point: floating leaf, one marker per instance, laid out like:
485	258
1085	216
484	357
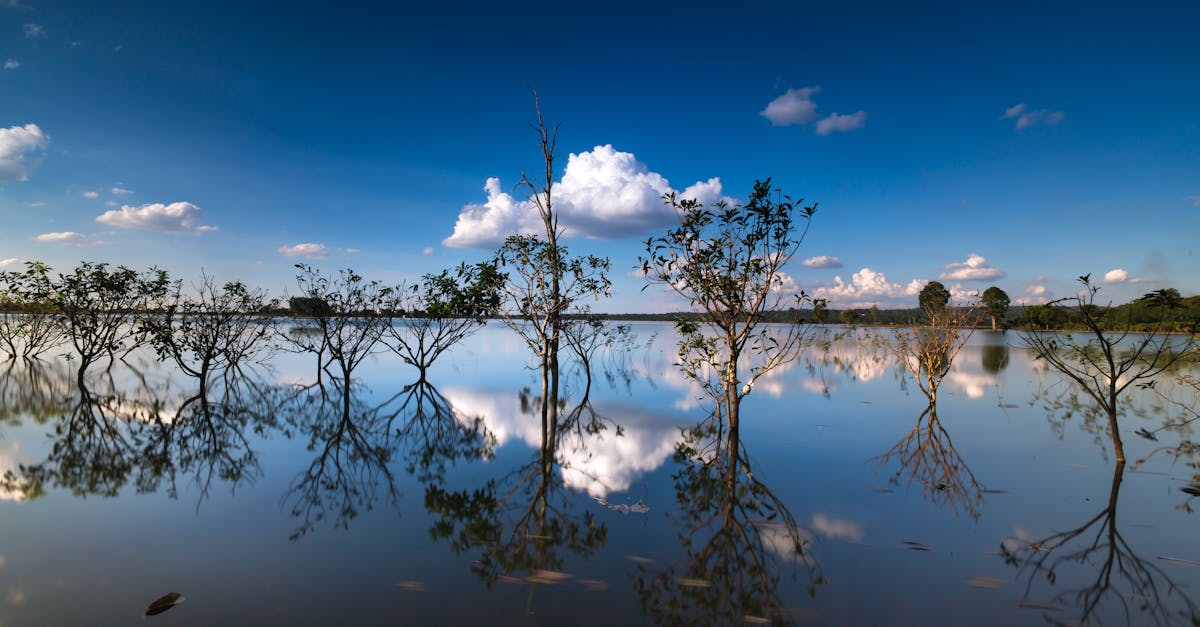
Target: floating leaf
639	559
548	577
695	583
985	582
164	603
914	546
594	585
1192	489
412	586
756	620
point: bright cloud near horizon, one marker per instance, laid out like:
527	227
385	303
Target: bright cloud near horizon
300	140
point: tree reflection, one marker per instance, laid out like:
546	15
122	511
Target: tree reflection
1115	582
927	456
33	388
523	523
353	448
740	539
433	432
106	437
995	358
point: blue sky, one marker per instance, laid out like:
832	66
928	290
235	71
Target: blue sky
1017	144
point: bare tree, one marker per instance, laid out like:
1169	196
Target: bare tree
927	351
1110	359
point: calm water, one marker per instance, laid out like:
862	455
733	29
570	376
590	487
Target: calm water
444	504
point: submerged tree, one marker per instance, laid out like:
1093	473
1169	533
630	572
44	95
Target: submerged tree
354	318
928	350
543	282
210	330
727	261
1109	360
97	306
441	311
29	324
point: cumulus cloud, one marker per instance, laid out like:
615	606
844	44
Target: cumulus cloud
428	250
1026	118
866	287
1116	275
11	261
837	122
121	191
603	194
91	194
794	107
308	250
177	217
975	268
1035	294
33	31
16	143
11	64
69	237
822	261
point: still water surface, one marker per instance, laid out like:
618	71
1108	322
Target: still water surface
846	501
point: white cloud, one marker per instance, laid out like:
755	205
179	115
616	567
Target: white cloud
837	528
428	250
177	217
11	261
11	64
1116	275
36	204
794	107
307	249
962	295
1143	279
121	191
351	251
822	261
839	123
111	203
975	268
91	194
866	288
1026	118
33	31
69	237
15	143
1035	294
603	194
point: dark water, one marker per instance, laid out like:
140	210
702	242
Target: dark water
845	501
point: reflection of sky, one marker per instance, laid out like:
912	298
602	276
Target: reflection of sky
600	463
9	452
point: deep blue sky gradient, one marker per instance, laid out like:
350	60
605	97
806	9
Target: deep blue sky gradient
370	126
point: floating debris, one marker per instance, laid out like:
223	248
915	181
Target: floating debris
883	490
638	559
635	508
1192	489
164	603
509	579
985	582
756	620
1179	560
594	585
1039	605
548	577
412	586
914	546
695	583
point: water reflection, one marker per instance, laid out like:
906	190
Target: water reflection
1099	573
433	433
739	539
927	456
994	357
523	524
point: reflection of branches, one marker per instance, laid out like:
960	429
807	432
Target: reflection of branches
353	450
1122	580
1190	452
739	538
33	388
107	437
927	455
434	433
522	522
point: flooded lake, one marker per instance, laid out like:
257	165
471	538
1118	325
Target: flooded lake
277	498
